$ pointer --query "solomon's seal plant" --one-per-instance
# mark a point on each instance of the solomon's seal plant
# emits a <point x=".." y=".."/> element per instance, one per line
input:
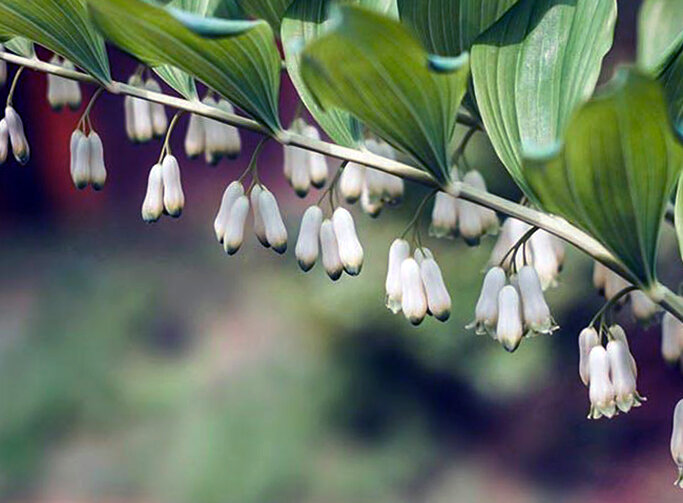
<point x="387" y="81"/>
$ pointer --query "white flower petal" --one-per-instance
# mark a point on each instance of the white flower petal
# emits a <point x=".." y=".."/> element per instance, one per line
<point x="536" y="312"/>
<point x="622" y="376"/>
<point x="486" y="311"/>
<point x="588" y="339"/>
<point x="600" y="388"/>
<point x="259" y="226"/>
<point x="158" y="112"/>
<point x="307" y="247"/>
<point x="98" y="170"/>
<point x="672" y="338"/>
<point x="438" y="298"/>
<point x="509" y="329"/>
<point x="677" y="442"/>
<point x="174" y="199"/>
<point x="444" y="216"/>
<point x="195" y="137"/>
<point x="330" y="250"/>
<point x="234" y="232"/>
<point x="4" y="141"/>
<point x="351" y="182"/>
<point x="398" y="252"/>
<point x="276" y="232"/>
<point x="644" y="309"/>
<point x="17" y="136"/>
<point x="232" y="192"/>
<point x="81" y="170"/>
<point x="153" y="205"/>
<point x="350" y="249"/>
<point x="413" y="298"/>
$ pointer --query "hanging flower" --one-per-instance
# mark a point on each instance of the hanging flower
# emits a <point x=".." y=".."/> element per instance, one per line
<point x="510" y="326"/>
<point x="438" y="298"/>
<point x="234" y="232"/>
<point x="444" y="216"/>
<point x="350" y="249"/>
<point x="4" y="141"/>
<point x="259" y="226"/>
<point x="17" y="136"/>
<point x="157" y="110"/>
<point x="677" y="442"/>
<point x="174" y="199"/>
<point x="623" y="376"/>
<point x="194" y="137"/>
<point x="537" y="318"/>
<point x="672" y="338"/>
<point x="307" y="247"/>
<point x="232" y="192"/>
<point x="413" y="298"/>
<point x="276" y="232"/>
<point x="153" y="204"/>
<point x="351" y="182"/>
<point x="398" y="252"/>
<point x="330" y="250"/>
<point x="486" y="310"/>
<point x="588" y="339"/>
<point x="600" y="389"/>
<point x="138" y="114"/>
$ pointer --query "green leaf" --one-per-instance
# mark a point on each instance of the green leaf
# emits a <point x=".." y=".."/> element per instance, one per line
<point x="61" y="26"/>
<point x="449" y="27"/>
<point x="244" y="68"/>
<point x="615" y="172"/>
<point x="373" y="67"/>
<point x="305" y="21"/>
<point x="678" y="214"/>
<point x="21" y="46"/>
<point x="271" y="10"/>
<point x="533" y="67"/>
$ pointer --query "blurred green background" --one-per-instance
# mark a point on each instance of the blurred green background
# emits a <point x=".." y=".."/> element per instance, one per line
<point x="140" y="364"/>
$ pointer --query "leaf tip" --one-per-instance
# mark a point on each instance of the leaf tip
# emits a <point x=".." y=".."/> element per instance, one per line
<point x="447" y="64"/>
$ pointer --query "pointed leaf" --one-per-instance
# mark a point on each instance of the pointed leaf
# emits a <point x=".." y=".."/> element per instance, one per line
<point x="271" y="10"/>
<point x="373" y="67"/>
<point x="244" y="68"/>
<point x="533" y="67"/>
<point x="616" y="171"/>
<point x="60" y="25"/>
<point x="678" y="214"/>
<point x="21" y="46"/>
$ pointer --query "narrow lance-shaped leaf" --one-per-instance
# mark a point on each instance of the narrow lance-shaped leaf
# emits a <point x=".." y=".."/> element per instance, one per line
<point x="62" y="26"/>
<point x="373" y="67"/>
<point x="533" y="67"/>
<point x="271" y="10"/>
<point x="243" y="67"/>
<point x="615" y="172"/>
<point x="21" y="46"/>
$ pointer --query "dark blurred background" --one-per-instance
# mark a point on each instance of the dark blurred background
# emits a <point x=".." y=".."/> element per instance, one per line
<point x="138" y="363"/>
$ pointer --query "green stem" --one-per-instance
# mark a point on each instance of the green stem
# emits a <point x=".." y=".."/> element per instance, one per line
<point x="10" y="95"/>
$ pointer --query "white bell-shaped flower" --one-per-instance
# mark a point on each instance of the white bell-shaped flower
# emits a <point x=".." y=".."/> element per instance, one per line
<point x="351" y="182"/>
<point x="301" y="174"/>
<point x="76" y="176"/>
<point x="644" y="309"/>
<point x="371" y="207"/>
<point x="157" y="110"/>
<point x="672" y="338"/>
<point x="307" y="245"/>
<point x="544" y="247"/>
<point x="213" y="135"/>
<point x="444" y="216"/>
<point x="536" y="312"/>
<point x="614" y="284"/>
<point x="129" y="117"/>
<point x="398" y="252"/>
<point x="438" y="298"/>
<point x="153" y="205"/>
<point x="231" y="141"/>
<point x="317" y="164"/>
<point x="385" y="187"/>
<point x="234" y="232"/>
<point x="17" y="136"/>
<point x="4" y="141"/>
<point x="677" y="442"/>
<point x="486" y="310"/>
<point x="393" y="188"/>
<point x="622" y="376"/>
<point x="98" y="169"/>
<point x="174" y="198"/>
<point x="413" y="297"/>
<point x="511" y="232"/>
<point x="259" y="226"/>
<point x="330" y="251"/>
<point x="588" y="339"/>
<point x="232" y="192"/>
<point x="195" y="137"/>
<point x="471" y="226"/>
<point x="276" y="232"/>
<point x="80" y="174"/>
<point x="600" y="387"/>
<point x="618" y="334"/>
<point x="141" y="112"/>
<point x="509" y="329"/>
<point x="599" y="277"/>
<point x="489" y="219"/>
<point x="72" y="90"/>
<point x="375" y="184"/>
<point x="56" y="93"/>
<point x="350" y="249"/>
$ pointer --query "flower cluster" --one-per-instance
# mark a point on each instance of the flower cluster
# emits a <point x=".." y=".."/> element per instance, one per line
<point x="508" y="312"/>
<point x="231" y="218"/>
<point x="451" y="216"/>
<point x="609" y="372"/>
<point x="609" y="284"/>
<point x="144" y="120"/>
<point x="63" y="92"/>
<point x="372" y="187"/>
<point x="212" y="138"/>
<point x="164" y="191"/>
<point x="12" y="134"/>
<point x="303" y="168"/>
<point x="87" y="160"/>
<point x="415" y="284"/>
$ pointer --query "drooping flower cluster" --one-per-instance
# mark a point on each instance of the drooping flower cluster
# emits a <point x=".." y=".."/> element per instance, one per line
<point x="63" y="92"/>
<point x="12" y="135"/>
<point x="303" y="168"/>
<point x="335" y="239"/>
<point x="609" y="372"/>
<point x="87" y="160"/>
<point x="609" y="284"/>
<point x="509" y="312"/>
<point x="164" y="191"/>
<point x="144" y="120"/>
<point x="212" y="138"/>
<point x="372" y="187"/>
<point x="415" y="284"/>
<point x="452" y="216"/>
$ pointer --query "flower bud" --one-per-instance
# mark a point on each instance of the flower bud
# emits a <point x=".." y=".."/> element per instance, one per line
<point x="370" y="207"/>
<point x="643" y="307"/>
<point x="56" y="94"/>
<point x="234" y="232"/>
<point x="677" y="442"/>
<point x="444" y="216"/>
<point x="351" y="182"/>
<point x="142" y="120"/>
<point x="588" y="339"/>
<point x="259" y="226"/>
<point x="536" y="313"/>
<point x="672" y="338"/>
<point x="317" y="164"/>
<point x="231" y="141"/>
<point x="129" y="116"/>
<point x="301" y="175"/>
<point x="471" y="227"/>
<point x="350" y="249"/>
<point x="174" y="199"/>
<point x="486" y="311"/>
<point x="330" y="251"/>
<point x="398" y="252"/>
<point x="98" y="170"/>
<point x="413" y="298"/>
<point x="17" y="136"/>
<point x="509" y="329"/>
<point x="195" y="137"/>
<point x="71" y="88"/>
<point x="81" y="163"/>
<point x="600" y="388"/>
<point x="622" y="375"/>
<point x="438" y="298"/>
<point x="157" y="110"/>
<point x="232" y="192"/>
<point x="543" y="250"/>
<point x="307" y="247"/>
<point x="4" y="141"/>
<point x="153" y="205"/>
<point x="276" y="232"/>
